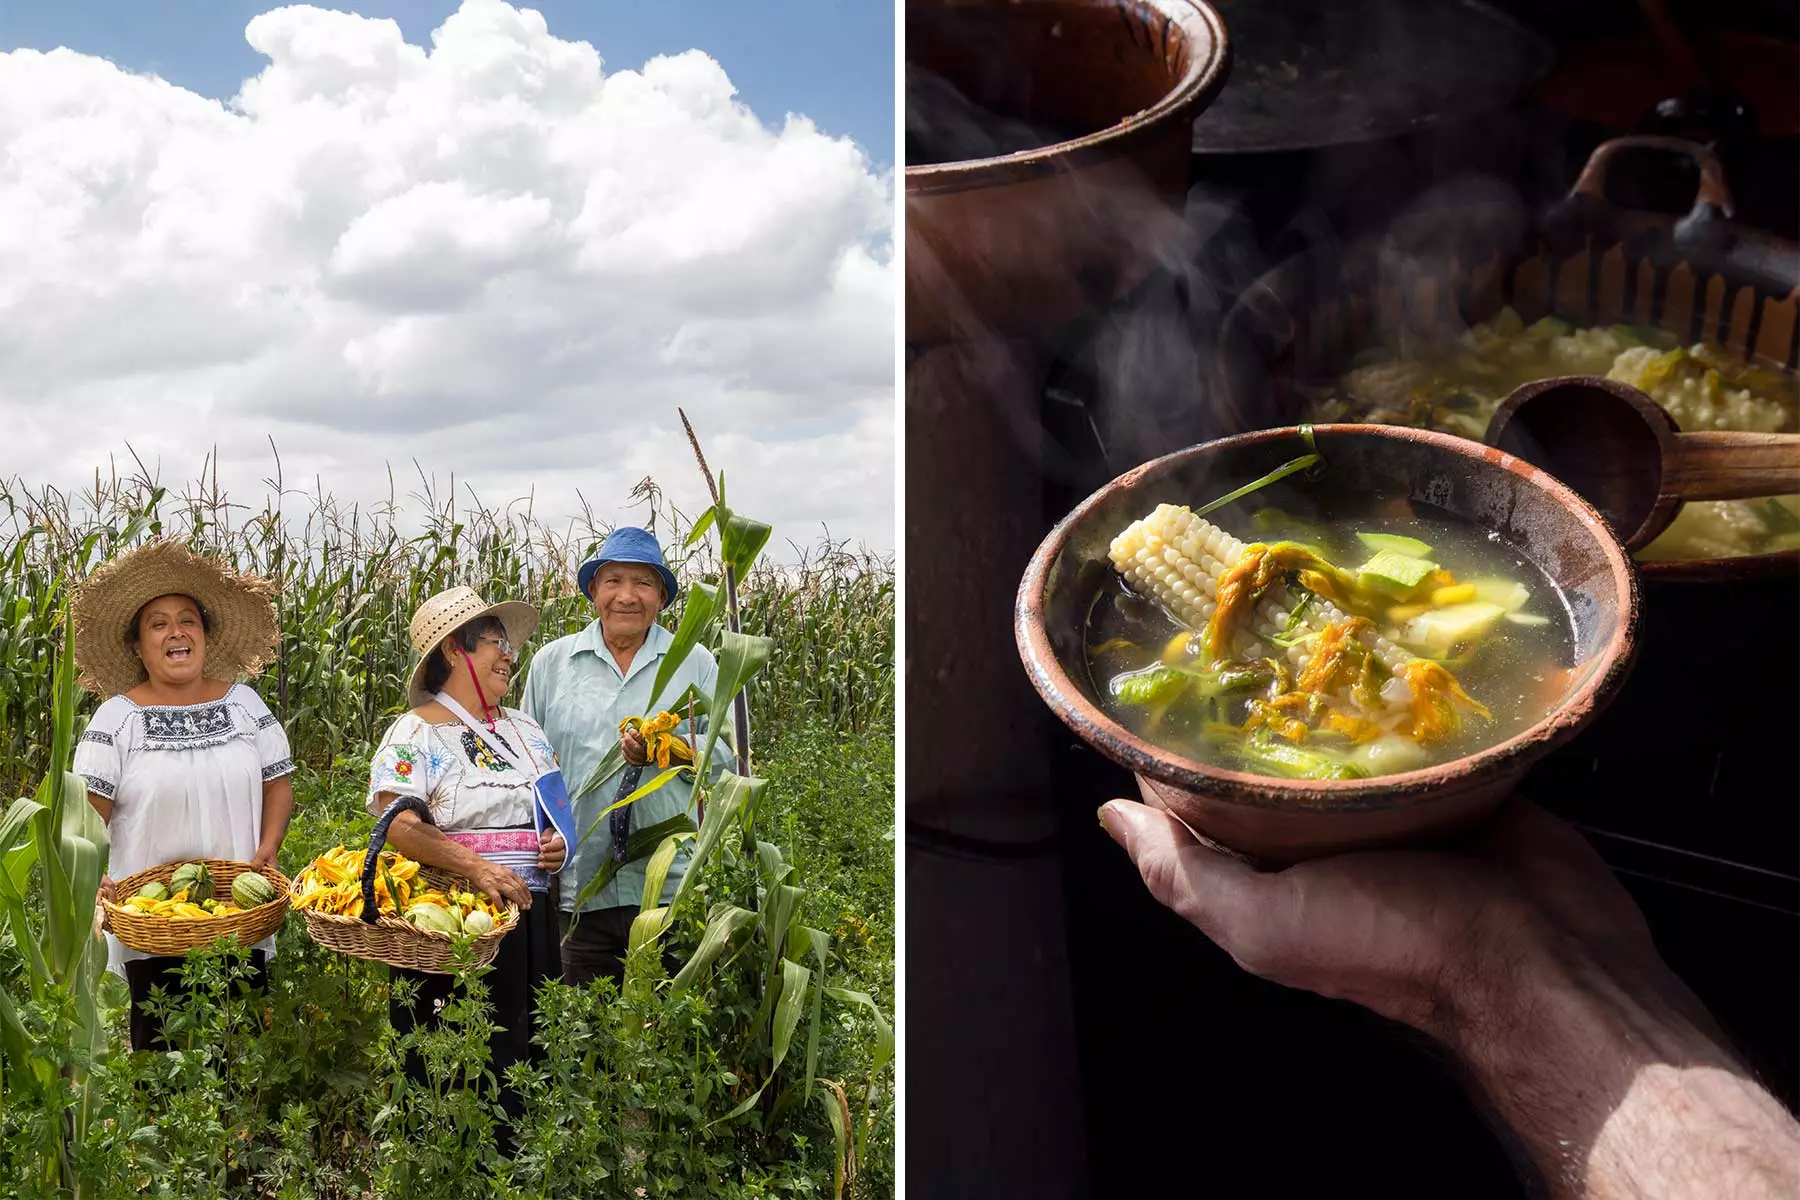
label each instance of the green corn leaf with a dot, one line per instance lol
(741, 656)
(696, 623)
(787, 1016)
(658, 869)
(779, 909)
(642, 845)
(18, 845)
(788, 1010)
(604, 876)
(647, 926)
(770, 864)
(741, 541)
(700, 527)
(723, 926)
(610, 763)
(817, 941)
(655, 784)
(728, 798)
(884, 1045)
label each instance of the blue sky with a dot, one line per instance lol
(830, 59)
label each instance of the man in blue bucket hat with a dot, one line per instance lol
(579, 688)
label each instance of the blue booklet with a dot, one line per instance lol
(555, 810)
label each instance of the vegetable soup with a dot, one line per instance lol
(1358, 644)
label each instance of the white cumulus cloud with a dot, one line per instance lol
(494, 254)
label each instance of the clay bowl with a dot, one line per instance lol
(1277, 821)
(1081, 113)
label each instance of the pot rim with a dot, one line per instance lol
(1196, 89)
(1406, 789)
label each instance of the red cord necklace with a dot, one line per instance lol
(479, 694)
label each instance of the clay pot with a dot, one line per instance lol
(1028, 241)
(1276, 821)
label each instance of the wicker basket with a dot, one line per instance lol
(175, 936)
(391, 940)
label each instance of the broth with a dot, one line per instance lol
(1513, 662)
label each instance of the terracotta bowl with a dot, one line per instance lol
(1275, 821)
(1027, 241)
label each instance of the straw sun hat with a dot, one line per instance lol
(243, 638)
(448, 611)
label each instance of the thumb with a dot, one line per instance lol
(1217, 894)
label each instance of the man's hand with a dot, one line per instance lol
(552, 850)
(632, 745)
(1527, 958)
(108, 890)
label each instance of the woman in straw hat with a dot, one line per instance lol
(476, 765)
(182, 761)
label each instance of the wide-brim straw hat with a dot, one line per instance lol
(450, 610)
(243, 638)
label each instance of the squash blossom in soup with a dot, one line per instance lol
(1280, 657)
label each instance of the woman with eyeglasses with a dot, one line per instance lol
(475, 764)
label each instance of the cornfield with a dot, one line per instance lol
(349, 578)
(766, 1070)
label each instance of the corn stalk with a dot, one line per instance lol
(62, 837)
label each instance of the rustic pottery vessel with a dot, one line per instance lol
(1277, 821)
(1027, 241)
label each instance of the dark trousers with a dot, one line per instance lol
(142, 974)
(596, 946)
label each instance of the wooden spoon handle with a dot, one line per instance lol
(1731, 466)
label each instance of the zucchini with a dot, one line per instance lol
(1399, 544)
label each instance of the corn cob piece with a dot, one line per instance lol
(1178, 558)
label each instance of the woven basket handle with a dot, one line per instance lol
(371, 912)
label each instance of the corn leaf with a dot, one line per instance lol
(728, 799)
(802, 940)
(787, 1016)
(658, 869)
(741, 541)
(700, 527)
(770, 864)
(741, 655)
(647, 926)
(719, 931)
(642, 845)
(696, 622)
(884, 1032)
(662, 777)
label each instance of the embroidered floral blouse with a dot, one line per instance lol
(467, 785)
(185, 781)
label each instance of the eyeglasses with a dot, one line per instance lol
(506, 647)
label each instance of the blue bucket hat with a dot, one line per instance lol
(629, 544)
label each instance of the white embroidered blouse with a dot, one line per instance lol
(472, 792)
(467, 785)
(185, 781)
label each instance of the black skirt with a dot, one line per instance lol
(527, 956)
(142, 974)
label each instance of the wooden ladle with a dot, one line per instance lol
(1624, 454)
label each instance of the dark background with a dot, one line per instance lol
(1162, 1059)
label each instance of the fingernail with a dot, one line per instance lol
(1117, 824)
